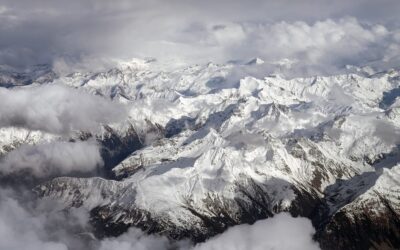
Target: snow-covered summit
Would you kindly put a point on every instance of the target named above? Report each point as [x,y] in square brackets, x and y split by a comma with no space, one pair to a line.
[213,149]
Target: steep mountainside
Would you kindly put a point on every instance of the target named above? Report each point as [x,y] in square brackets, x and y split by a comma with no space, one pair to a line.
[205,148]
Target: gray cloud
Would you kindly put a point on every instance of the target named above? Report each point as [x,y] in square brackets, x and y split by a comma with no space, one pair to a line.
[31,225]
[387,132]
[53,158]
[136,239]
[17,229]
[52,31]
[56,109]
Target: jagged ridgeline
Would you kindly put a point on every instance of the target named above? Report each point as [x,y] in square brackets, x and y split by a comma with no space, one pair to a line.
[202,150]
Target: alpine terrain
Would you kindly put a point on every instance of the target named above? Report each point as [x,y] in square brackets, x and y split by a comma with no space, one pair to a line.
[209,146]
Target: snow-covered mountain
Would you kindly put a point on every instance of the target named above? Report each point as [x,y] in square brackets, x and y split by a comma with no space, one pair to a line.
[10,77]
[206,147]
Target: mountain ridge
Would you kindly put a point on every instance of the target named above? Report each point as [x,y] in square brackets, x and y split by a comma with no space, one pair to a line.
[202,150]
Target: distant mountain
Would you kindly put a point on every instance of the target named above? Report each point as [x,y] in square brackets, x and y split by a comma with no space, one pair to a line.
[10,77]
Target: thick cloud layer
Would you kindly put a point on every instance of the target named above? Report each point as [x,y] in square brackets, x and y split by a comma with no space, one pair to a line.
[86,31]
[56,109]
[53,158]
[322,47]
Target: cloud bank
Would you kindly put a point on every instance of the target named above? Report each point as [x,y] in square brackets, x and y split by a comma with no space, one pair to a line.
[56,109]
[320,47]
[137,240]
[53,158]
[89,32]
[280,232]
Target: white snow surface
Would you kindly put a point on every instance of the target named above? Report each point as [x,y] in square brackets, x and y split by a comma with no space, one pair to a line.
[224,128]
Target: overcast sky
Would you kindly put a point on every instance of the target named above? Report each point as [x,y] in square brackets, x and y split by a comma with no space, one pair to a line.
[48,31]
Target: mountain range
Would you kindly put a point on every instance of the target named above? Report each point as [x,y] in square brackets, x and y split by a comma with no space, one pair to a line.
[206,147]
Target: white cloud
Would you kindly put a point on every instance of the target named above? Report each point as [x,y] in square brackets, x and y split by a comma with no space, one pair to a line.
[323,46]
[53,158]
[56,109]
[135,239]
[320,47]
[281,232]
[18,229]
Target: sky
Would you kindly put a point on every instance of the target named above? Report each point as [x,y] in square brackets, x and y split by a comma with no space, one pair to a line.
[92,32]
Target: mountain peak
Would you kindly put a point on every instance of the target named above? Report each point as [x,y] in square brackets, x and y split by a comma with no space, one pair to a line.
[255,61]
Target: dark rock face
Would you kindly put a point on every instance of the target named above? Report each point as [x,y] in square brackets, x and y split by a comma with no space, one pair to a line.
[251,204]
[337,226]
[105,224]
[116,148]
[358,231]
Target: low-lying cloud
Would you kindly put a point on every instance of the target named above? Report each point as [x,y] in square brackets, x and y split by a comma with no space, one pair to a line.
[54,158]
[138,240]
[38,225]
[281,232]
[56,109]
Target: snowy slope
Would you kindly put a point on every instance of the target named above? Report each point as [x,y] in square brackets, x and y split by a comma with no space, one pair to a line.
[214,148]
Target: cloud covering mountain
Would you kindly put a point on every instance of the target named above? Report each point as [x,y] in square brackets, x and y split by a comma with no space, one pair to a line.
[323,35]
[53,158]
[56,109]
